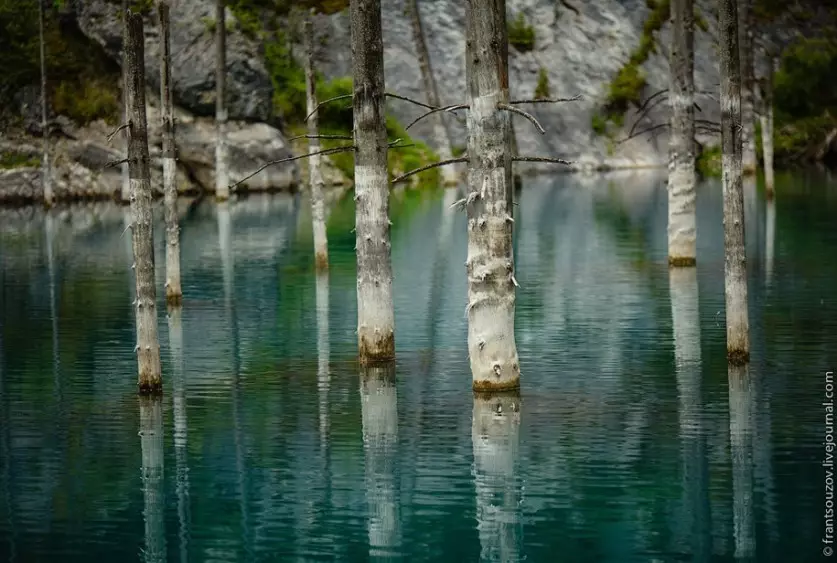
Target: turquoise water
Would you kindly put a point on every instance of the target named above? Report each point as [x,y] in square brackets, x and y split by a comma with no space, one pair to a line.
[630,441]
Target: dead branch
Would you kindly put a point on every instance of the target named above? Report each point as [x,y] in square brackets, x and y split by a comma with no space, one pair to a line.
[328,101]
[428,167]
[638,133]
[649,98]
[118,129]
[334,150]
[571,7]
[412,101]
[446,108]
[647,111]
[342,137]
[548,100]
[112,163]
[541,159]
[529,116]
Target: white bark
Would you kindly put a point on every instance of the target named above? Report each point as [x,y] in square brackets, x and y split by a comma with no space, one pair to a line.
[148,345]
[125,195]
[323,355]
[181,430]
[490,265]
[174,292]
[315,172]
[495,434]
[741,450]
[222,187]
[767,131]
[681,167]
[153,484]
[376,318]
[379,413]
[46,171]
[749,161]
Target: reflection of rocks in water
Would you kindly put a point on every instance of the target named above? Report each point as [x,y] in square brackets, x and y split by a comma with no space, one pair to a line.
[153,485]
[380,441]
[741,450]
[495,435]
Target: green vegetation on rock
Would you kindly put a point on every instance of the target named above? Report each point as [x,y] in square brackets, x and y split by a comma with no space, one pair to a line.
[542,90]
[12,159]
[521,34]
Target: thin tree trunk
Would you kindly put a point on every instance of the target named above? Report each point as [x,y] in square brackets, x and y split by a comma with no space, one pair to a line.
[222,188]
[490,264]
[125,196]
[181,430]
[741,450]
[735,266]
[441,129]
[681,166]
[153,484]
[376,318]
[315,173]
[323,357]
[767,131]
[748,117]
[148,345]
[174,293]
[769,243]
[46,172]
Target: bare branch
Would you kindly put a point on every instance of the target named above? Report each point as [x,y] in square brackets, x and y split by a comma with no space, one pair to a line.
[571,7]
[548,100]
[342,137]
[428,167]
[324,102]
[112,163]
[334,150]
[527,115]
[412,101]
[541,159]
[638,133]
[649,98]
[118,129]
[446,108]
[645,112]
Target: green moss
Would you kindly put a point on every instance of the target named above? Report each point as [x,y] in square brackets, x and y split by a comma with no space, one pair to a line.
[700,22]
[709,162]
[209,24]
[521,34]
[12,159]
[599,124]
[458,150]
[542,87]
[93,99]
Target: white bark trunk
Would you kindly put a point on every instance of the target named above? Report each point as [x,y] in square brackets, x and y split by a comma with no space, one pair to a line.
[315,172]
[749,161]
[174,292]
[125,195]
[735,267]
[379,413]
[490,266]
[495,434]
[148,345]
[681,167]
[153,484]
[222,187]
[181,430]
[767,132]
[376,318]
[741,451]
[323,356]
[46,172]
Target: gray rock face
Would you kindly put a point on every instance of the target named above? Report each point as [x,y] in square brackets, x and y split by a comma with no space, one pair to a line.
[581,54]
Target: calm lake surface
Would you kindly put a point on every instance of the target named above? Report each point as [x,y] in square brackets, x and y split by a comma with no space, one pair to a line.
[631,440]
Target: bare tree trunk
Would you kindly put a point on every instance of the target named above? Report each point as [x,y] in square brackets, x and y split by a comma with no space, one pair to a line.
[153,484]
[315,173]
[681,165]
[174,292]
[769,243]
[323,357]
[748,118]
[148,345]
[735,266]
[741,449]
[181,430]
[376,318]
[125,196]
[767,130]
[441,129]
[222,188]
[490,265]
[46,172]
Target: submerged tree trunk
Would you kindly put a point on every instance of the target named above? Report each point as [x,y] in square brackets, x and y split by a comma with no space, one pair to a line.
[46,172]
[681,165]
[748,114]
[148,346]
[769,243]
[323,357]
[153,484]
[375,316]
[441,130]
[125,195]
[490,265]
[741,409]
[181,430]
[174,293]
[315,173]
[222,188]
[735,266]
[767,130]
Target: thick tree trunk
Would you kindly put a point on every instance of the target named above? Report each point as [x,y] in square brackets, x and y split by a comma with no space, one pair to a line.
[46,172]
[148,346]
[767,131]
[125,195]
[222,188]
[741,409]
[315,173]
[376,318]
[153,484]
[181,429]
[174,293]
[748,115]
[490,265]
[495,434]
[735,266]
[681,165]
[441,130]
[379,413]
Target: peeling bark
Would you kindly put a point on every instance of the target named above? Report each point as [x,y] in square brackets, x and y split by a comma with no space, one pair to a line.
[222,188]
[748,115]
[741,410]
[174,292]
[490,265]
[376,318]
[767,130]
[315,173]
[148,345]
[153,484]
[125,195]
[681,165]
[441,127]
[46,172]
[735,266]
